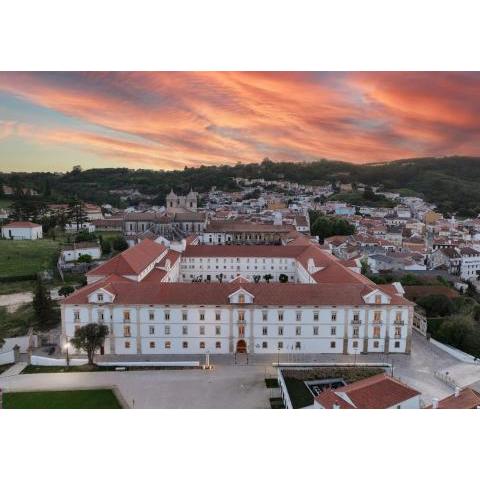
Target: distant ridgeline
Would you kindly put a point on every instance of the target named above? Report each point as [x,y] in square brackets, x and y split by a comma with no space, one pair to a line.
[451,183]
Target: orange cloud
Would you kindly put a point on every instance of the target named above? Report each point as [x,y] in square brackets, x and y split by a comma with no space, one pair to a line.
[172,119]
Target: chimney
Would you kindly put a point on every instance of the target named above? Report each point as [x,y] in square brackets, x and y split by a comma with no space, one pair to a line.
[336,405]
[434,402]
[457,391]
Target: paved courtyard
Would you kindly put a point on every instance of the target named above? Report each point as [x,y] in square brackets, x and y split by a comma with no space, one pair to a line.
[241,385]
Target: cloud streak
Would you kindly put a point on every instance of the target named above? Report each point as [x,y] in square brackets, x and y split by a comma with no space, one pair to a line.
[174,119]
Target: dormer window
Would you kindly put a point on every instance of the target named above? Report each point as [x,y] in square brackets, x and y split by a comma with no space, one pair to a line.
[100,297]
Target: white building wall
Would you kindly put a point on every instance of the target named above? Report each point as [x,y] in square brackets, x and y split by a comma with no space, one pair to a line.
[297,330]
[22,233]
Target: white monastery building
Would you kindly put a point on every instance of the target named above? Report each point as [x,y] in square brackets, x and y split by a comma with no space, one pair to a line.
[22,231]
[238,298]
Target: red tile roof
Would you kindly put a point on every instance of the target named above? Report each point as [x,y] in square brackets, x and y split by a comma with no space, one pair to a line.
[380,391]
[137,293]
[131,261]
[467,399]
[21,224]
[277,251]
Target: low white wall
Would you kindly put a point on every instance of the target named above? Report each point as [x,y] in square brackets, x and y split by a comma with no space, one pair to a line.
[22,342]
[7,357]
[60,362]
[454,352]
[148,364]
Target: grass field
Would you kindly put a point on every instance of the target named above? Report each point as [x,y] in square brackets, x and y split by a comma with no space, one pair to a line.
[101,398]
[26,257]
[17,323]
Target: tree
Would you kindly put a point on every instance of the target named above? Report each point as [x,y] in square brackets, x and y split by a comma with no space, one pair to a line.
[119,244]
[106,246]
[283,278]
[90,338]
[268,277]
[84,258]
[220,277]
[256,278]
[85,236]
[325,227]
[436,305]
[76,213]
[43,305]
[66,290]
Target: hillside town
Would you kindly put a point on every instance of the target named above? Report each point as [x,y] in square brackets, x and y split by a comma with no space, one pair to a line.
[278,271]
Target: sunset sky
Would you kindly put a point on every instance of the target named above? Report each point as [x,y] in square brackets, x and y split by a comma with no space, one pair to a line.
[52,121]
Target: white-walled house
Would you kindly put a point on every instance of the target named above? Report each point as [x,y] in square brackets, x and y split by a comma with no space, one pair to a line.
[22,230]
[71,253]
[150,307]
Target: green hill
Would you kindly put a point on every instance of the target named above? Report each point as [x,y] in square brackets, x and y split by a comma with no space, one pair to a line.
[452,182]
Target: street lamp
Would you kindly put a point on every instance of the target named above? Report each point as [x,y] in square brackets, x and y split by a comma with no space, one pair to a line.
[207,359]
[67,344]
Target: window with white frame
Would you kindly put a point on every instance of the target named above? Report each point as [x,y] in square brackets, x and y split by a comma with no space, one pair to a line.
[315,330]
[280,331]
[184,330]
[184,316]
[315,316]
[76,315]
[334,316]
[168,345]
[333,330]
[151,330]
[152,344]
[265,331]
[151,315]
[184,344]
[280,316]
[202,330]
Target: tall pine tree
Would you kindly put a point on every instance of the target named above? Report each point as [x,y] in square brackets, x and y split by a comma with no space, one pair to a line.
[43,305]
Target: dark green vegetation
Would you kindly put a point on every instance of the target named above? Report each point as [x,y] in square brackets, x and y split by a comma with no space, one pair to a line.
[93,368]
[455,322]
[17,323]
[271,383]
[276,403]
[90,338]
[451,183]
[299,393]
[326,226]
[101,398]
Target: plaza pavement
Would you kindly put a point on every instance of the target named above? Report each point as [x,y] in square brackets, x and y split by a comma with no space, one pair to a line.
[241,385]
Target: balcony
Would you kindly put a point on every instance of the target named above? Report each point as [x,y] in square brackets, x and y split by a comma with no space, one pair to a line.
[355,335]
[399,322]
[377,322]
[376,337]
[397,336]
[356,322]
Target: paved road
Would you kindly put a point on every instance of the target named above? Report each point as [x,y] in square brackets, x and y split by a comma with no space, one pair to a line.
[230,386]
[225,387]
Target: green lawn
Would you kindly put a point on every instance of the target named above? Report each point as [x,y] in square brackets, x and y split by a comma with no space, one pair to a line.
[27,257]
[101,398]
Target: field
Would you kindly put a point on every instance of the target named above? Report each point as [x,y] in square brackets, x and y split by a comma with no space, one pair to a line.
[27,257]
[101,398]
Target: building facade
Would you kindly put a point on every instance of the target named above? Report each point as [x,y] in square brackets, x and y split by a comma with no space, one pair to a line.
[150,307]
